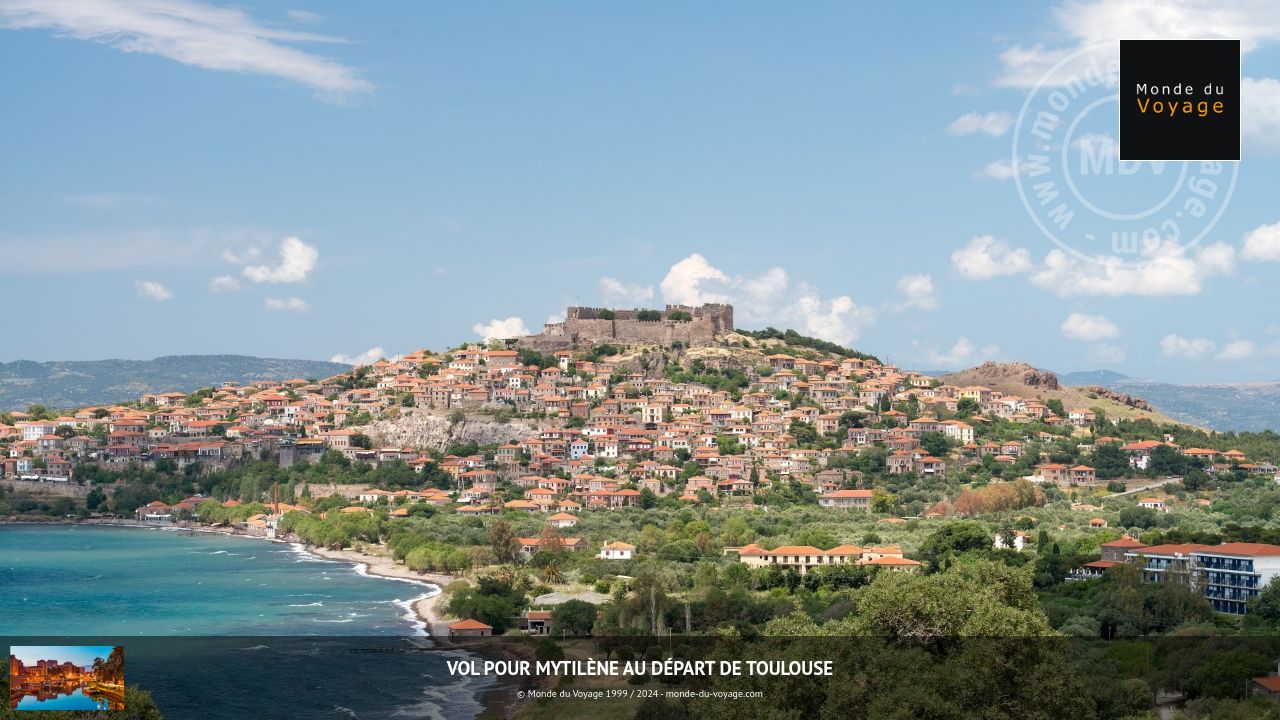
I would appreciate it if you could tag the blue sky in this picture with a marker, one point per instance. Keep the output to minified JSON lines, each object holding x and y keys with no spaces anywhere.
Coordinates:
{"x":327,"y":179}
{"x":81,"y":655}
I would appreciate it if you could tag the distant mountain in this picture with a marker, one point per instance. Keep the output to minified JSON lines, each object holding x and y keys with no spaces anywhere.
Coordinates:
{"x":97,"y":382}
{"x":1222,"y":407}
{"x":1092,"y":377}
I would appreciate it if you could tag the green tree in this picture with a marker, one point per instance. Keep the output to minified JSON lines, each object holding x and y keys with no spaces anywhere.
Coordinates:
{"x":573,"y":617}
{"x":954,"y":539}
{"x":967,"y":407}
{"x":1138,"y":517}
{"x":935,"y":443}
{"x":1265,"y":606}
{"x":504,"y":542}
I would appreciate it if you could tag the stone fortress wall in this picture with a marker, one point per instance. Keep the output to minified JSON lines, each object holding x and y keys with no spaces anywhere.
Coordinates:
{"x":583,"y":327}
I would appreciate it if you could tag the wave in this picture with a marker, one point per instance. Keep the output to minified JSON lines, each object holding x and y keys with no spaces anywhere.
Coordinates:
{"x":344,"y":620}
{"x":411,"y":616}
{"x":459,"y":696}
{"x":314,"y":604}
{"x":256,"y":647}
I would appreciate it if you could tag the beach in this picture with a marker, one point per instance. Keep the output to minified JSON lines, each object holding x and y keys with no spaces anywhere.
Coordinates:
{"x":385,"y":566}
{"x":503,"y":699}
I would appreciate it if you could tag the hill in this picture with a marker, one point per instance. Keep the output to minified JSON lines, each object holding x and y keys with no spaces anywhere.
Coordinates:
{"x":1091,"y":377}
{"x":1024,"y":380}
{"x":63,"y":384}
{"x":1223,"y":407}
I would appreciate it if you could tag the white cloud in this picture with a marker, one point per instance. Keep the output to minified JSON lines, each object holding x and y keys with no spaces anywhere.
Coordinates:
{"x":985,"y":257}
{"x":1002,"y":169}
{"x":240,"y":257}
{"x":1093,"y":29}
{"x":684,"y":283}
{"x":618,"y":294}
{"x":367,"y":357}
{"x":192,"y":33}
{"x":297,"y":260}
{"x":224,"y":283}
{"x":289,"y":304}
{"x":995,"y":124}
{"x":152,"y":290}
{"x":1237,"y":350}
{"x":838,"y":320}
{"x":1260,"y":112}
{"x":497,"y":329}
{"x":917,"y":292}
{"x":1216,"y":259}
{"x":694,"y":281}
{"x":1191,"y":349}
{"x":1262,"y":244}
{"x":1090,"y":328}
{"x":964,"y":352}
{"x":768,"y":299}
{"x":1165,"y":270}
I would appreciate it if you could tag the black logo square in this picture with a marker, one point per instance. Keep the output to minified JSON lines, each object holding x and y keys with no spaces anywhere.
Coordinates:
{"x":1179,"y":100}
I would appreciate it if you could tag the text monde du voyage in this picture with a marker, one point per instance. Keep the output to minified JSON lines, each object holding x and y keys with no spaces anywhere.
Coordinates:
{"x":1180,"y":99}
{"x":617,"y":668}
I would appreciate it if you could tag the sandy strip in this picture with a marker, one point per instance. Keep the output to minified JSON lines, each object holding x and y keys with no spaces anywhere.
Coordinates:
{"x":386,"y":566}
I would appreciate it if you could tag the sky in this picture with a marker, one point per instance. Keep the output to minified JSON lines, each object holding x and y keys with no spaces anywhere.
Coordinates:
{"x":79,"y":655}
{"x":347,"y":181}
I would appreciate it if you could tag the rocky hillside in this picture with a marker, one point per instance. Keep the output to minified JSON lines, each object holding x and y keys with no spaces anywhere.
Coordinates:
{"x":65,"y":384}
{"x":424,"y":429}
{"x":1021,"y":379}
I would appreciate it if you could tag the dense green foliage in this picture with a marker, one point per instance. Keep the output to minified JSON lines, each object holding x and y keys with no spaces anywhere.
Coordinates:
{"x":795,"y":339}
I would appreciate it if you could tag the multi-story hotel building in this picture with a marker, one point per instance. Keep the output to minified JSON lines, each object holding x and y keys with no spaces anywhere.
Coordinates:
{"x":1234,"y":572}
{"x":1228,"y":574}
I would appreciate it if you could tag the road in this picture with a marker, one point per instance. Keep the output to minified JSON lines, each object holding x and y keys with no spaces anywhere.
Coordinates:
{"x":1144,"y":488}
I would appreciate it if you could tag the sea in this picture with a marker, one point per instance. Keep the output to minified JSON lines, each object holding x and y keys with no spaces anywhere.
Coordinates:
{"x":222,"y":626}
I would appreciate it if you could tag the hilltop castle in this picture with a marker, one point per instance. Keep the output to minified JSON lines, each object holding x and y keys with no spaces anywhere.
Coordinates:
{"x":584,"y":326}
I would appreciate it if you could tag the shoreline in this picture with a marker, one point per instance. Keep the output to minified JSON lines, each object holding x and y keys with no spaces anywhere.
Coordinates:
{"x":501,"y":699}
{"x":423,"y":607}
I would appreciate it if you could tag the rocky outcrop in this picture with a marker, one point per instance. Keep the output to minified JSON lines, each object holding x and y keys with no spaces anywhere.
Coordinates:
{"x":994,"y":373}
{"x":421,"y":429}
{"x":1132,"y":401}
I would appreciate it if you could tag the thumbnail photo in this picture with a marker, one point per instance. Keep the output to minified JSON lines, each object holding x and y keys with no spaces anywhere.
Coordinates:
{"x":66,"y":677}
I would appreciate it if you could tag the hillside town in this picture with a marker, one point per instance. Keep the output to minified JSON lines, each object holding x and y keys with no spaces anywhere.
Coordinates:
{"x":609,"y":427}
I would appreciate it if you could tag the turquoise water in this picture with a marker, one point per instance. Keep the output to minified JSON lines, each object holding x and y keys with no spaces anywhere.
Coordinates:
{"x":271,"y":631}
{"x":88,"y":580}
